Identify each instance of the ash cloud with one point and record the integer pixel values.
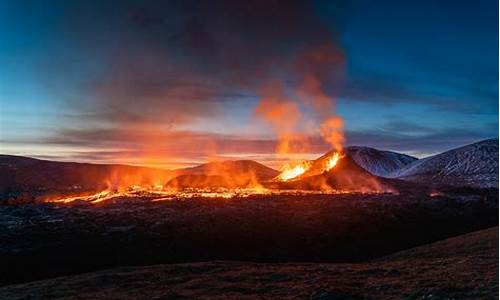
(175, 61)
(161, 66)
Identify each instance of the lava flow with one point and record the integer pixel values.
(225, 181)
(165, 195)
(296, 170)
(290, 170)
(332, 161)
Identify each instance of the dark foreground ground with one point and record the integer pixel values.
(40, 241)
(463, 267)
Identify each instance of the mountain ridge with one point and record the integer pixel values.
(378, 162)
(474, 165)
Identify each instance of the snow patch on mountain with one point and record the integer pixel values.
(377, 162)
(473, 165)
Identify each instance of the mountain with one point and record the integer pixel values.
(474, 165)
(231, 168)
(227, 174)
(377, 162)
(20, 174)
(24, 174)
(347, 175)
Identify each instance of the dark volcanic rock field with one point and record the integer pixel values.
(462, 267)
(46, 240)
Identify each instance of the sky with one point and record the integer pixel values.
(177, 83)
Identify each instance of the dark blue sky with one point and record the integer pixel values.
(79, 78)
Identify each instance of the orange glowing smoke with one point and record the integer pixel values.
(281, 106)
(315, 64)
(283, 114)
(332, 131)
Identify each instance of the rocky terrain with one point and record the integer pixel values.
(291, 242)
(360, 169)
(463, 267)
(45, 240)
(378, 162)
(27, 178)
(472, 165)
(347, 175)
(243, 168)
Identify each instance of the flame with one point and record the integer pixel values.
(242, 185)
(332, 161)
(166, 195)
(303, 108)
(290, 171)
(154, 194)
(93, 198)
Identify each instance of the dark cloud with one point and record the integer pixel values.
(176, 61)
(157, 65)
(177, 148)
(449, 95)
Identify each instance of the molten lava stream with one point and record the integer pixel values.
(290, 172)
(94, 198)
(332, 161)
(296, 169)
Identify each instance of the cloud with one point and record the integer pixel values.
(171, 148)
(173, 62)
(384, 89)
(419, 140)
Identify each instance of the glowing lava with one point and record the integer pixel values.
(290, 171)
(94, 198)
(296, 169)
(332, 161)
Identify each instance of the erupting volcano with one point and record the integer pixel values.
(335, 172)
(293, 171)
(248, 149)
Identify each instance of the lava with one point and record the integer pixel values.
(93, 198)
(282, 184)
(295, 170)
(290, 171)
(332, 161)
(166, 195)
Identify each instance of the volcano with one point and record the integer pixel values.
(345, 176)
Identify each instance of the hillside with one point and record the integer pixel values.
(228, 174)
(377, 162)
(456, 268)
(20, 174)
(473, 165)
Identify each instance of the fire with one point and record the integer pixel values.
(296, 169)
(94, 198)
(313, 180)
(290, 171)
(166, 195)
(298, 110)
(332, 161)
(155, 194)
